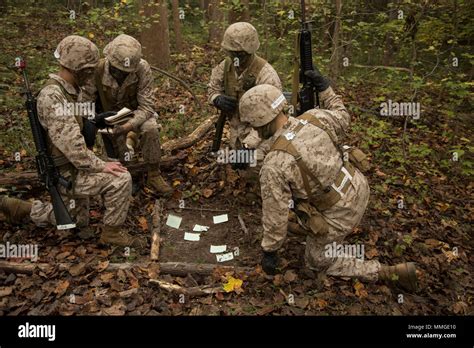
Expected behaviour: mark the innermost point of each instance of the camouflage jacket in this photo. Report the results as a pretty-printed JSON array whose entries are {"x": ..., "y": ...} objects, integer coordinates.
[
  {"x": 64, "y": 131},
  {"x": 281, "y": 180}
]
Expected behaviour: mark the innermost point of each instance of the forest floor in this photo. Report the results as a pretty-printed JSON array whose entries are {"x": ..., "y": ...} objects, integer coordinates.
[{"x": 433, "y": 229}]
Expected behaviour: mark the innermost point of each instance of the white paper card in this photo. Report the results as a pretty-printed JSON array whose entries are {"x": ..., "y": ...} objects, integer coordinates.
[
  {"x": 194, "y": 237},
  {"x": 199, "y": 228},
  {"x": 220, "y": 218},
  {"x": 225, "y": 257},
  {"x": 174, "y": 221},
  {"x": 218, "y": 248}
]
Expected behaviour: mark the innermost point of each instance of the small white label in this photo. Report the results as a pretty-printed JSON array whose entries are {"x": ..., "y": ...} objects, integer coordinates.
[
  {"x": 290, "y": 136},
  {"x": 278, "y": 101},
  {"x": 174, "y": 221},
  {"x": 220, "y": 218},
  {"x": 193, "y": 237},
  {"x": 200, "y": 228},
  {"x": 225, "y": 257},
  {"x": 218, "y": 249}
]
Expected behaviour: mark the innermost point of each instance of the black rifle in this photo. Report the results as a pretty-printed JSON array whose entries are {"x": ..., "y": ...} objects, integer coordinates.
[
  {"x": 307, "y": 94},
  {"x": 216, "y": 143},
  {"x": 47, "y": 171}
]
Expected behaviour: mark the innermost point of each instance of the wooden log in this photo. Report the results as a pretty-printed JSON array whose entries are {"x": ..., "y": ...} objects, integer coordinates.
[
  {"x": 191, "y": 292},
  {"x": 173, "y": 268},
  {"x": 31, "y": 177},
  {"x": 155, "y": 232}
]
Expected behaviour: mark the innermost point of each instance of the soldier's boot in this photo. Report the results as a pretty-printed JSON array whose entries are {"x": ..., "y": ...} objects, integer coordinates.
[
  {"x": 158, "y": 184},
  {"x": 15, "y": 210},
  {"x": 117, "y": 236},
  {"x": 403, "y": 274}
]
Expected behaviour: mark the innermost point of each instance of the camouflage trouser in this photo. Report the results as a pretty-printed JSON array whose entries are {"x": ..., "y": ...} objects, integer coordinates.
[
  {"x": 114, "y": 190},
  {"x": 149, "y": 142},
  {"x": 320, "y": 254}
]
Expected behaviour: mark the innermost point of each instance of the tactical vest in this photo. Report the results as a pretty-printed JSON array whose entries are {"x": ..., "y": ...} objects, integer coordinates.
[
  {"x": 324, "y": 197},
  {"x": 60, "y": 160},
  {"x": 107, "y": 99},
  {"x": 235, "y": 88}
]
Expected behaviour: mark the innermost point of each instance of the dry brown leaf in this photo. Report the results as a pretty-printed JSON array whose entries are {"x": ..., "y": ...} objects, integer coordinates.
[
  {"x": 5, "y": 291},
  {"x": 77, "y": 269},
  {"x": 360, "y": 290},
  {"x": 61, "y": 288},
  {"x": 207, "y": 192},
  {"x": 143, "y": 223},
  {"x": 290, "y": 276}
]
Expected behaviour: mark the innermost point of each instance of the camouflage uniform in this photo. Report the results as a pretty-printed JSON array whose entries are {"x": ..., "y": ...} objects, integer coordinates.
[
  {"x": 135, "y": 93},
  {"x": 240, "y": 133},
  {"x": 281, "y": 181},
  {"x": 69, "y": 150},
  {"x": 65, "y": 134}
]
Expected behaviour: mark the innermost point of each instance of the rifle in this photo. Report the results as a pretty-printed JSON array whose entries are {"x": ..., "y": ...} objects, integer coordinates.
[
  {"x": 216, "y": 143},
  {"x": 307, "y": 94},
  {"x": 47, "y": 171}
]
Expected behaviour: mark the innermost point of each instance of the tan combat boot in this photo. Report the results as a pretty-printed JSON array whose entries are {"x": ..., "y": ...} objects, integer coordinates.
[
  {"x": 403, "y": 274},
  {"x": 116, "y": 236},
  {"x": 15, "y": 210},
  {"x": 158, "y": 184}
]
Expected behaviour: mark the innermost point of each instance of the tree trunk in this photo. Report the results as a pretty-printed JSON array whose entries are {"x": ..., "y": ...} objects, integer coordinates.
[
  {"x": 155, "y": 39},
  {"x": 177, "y": 26},
  {"x": 390, "y": 47},
  {"x": 216, "y": 18},
  {"x": 335, "y": 64}
]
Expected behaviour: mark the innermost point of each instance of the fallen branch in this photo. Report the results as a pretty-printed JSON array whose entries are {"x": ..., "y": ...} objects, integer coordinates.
[
  {"x": 382, "y": 67},
  {"x": 155, "y": 233},
  {"x": 191, "y": 292},
  {"x": 173, "y": 268},
  {"x": 31, "y": 177}
]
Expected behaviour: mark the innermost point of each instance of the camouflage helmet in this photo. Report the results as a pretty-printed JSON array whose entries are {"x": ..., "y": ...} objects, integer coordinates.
[
  {"x": 241, "y": 36},
  {"x": 124, "y": 53},
  {"x": 76, "y": 52},
  {"x": 261, "y": 104}
]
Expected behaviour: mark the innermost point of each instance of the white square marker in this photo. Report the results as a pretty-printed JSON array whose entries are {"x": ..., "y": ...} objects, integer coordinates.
[
  {"x": 194, "y": 237},
  {"x": 220, "y": 218},
  {"x": 174, "y": 221},
  {"x": 199, "y": 228},
  {"x": 225, "y": 257},
  {"x": 218, "y": 248}
]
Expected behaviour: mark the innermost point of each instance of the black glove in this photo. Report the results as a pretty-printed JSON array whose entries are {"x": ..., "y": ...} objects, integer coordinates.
[
  {"x": 319, "y": 81},
  {"x": 225, "y": 103},
  {"x": 100, "y": 119},
  {"x": 269, "y": 262},
  {"x": 242, "y": 155}
]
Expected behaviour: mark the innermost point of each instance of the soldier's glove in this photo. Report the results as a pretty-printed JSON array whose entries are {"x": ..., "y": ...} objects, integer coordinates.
[
  {"x": 100, "y": 119},
  {"x": 270, "y": 262},
  {"x": 319, "y": 81},
  {"x": 225, "y": 103},
  {"x": 123, "y": 129},
  {"x": 242, "y": 155}
]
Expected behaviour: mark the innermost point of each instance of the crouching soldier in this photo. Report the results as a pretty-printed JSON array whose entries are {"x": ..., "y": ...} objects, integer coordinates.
[
  {"x": 305, "y": 164},
  {"x": 124, "y": 79},
  {"x": 90, "y": 176}
]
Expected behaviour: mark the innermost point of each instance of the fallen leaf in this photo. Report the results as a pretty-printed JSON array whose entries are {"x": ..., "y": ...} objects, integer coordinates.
[
  {"x": 102, "y": 266},
  {"x": 233, "y": 284},
  {"x": 143, "y": 223},
  {"x": 301, "y": 302},
  {"x": 320, "y": 303},
  {"x": 360, "y": 290},
  {"x": 61, "y": 288},
  {"x": 290, "y": 276},
  {"x": 77, "y": 269},
  {"x": 207, "y": 193}
]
